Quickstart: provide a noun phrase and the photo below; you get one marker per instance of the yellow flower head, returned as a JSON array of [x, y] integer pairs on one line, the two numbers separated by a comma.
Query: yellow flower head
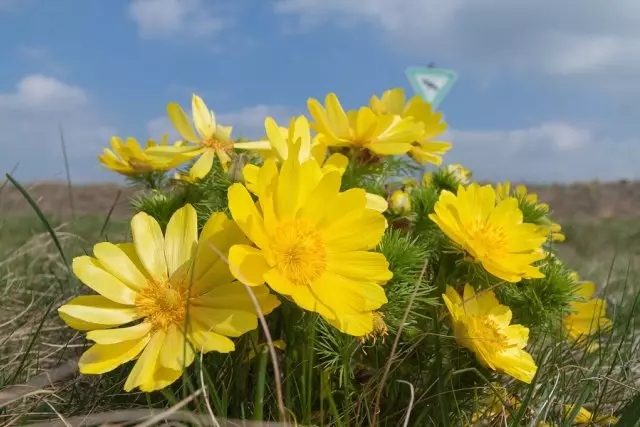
[[128, 158], [492, 234], [282, 141], [154, 281], [586, 316], [211, 140], [400, 202], [585, 417], [383, 134], [423, 149], [553, 230], [481, 324], [311, 242]]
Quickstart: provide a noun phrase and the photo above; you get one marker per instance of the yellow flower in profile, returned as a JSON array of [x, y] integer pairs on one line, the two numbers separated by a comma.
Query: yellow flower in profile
[[312, 243], [211, 140], [553, 229], [382, 134], [492, 234], [423, 149], [400, 202], [585, 417], [128, 158], [281, 142], [587, 315], [176, 286], [481, 324]]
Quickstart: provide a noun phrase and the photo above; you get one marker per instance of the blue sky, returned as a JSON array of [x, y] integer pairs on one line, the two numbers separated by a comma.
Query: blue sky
[[544, 93]]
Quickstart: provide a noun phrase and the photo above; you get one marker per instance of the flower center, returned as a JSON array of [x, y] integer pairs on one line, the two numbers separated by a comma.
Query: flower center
[[486, 333], [299, 251], [486, 238], [218, 144], [162, 304]]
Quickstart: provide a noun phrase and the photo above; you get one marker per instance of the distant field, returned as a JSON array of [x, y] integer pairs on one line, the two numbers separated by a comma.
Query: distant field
[[582, 201]]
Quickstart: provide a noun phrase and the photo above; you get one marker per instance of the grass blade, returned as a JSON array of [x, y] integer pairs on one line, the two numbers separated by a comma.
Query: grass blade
[[42, 217]]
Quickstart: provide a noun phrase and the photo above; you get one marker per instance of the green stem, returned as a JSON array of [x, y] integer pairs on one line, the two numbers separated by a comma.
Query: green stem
[[258, 398]]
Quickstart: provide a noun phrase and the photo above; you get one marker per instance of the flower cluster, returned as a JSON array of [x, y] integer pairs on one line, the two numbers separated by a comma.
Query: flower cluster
[[306, 227]]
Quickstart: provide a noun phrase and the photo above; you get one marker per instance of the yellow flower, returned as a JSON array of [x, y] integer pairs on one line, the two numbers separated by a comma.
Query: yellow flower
[[312, 242], [383, 134], [587, 316], [423, 149], [492, 234], [157, 280], [400, 202], [281, 142], [553, 230], [212, 139], [128, 158], [586, 417], [481, 324]]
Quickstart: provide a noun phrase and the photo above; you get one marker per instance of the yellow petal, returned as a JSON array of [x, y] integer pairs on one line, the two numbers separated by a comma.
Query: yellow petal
[[248, 264], [276, 138], [360, 265], [114, 336], [144, 368], [91, 273], [337, 162], [250, 175], [206, 341], [101, 358], [356, 325], [202, 117], [117, 262], [181, 238], [203, 165], [96, 309], [359, 233], [149, 243], [177, 352], [229, 322], [235, 296], [322, 196], [246, 215], [181, 122], [346, 296], [376, 203]]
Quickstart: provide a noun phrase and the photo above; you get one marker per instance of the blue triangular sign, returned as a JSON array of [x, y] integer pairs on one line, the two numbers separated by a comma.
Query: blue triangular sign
[[432, 84]]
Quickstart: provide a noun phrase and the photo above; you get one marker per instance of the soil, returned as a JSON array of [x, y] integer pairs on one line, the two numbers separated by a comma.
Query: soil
[[579, 202]]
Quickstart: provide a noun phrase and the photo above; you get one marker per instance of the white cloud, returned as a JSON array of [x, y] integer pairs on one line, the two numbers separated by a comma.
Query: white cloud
[[168, 18], [37, 92], [247, 122], [588, 38], [30, 119], [548, 152]]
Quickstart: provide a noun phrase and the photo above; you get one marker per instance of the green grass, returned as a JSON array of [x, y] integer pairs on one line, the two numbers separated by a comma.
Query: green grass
[[322, 383]]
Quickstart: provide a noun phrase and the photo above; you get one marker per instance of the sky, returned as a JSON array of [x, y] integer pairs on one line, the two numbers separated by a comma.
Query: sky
[[546, 91]]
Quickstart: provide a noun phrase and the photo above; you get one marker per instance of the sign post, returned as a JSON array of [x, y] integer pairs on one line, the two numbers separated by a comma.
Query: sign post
[[432, 84]]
